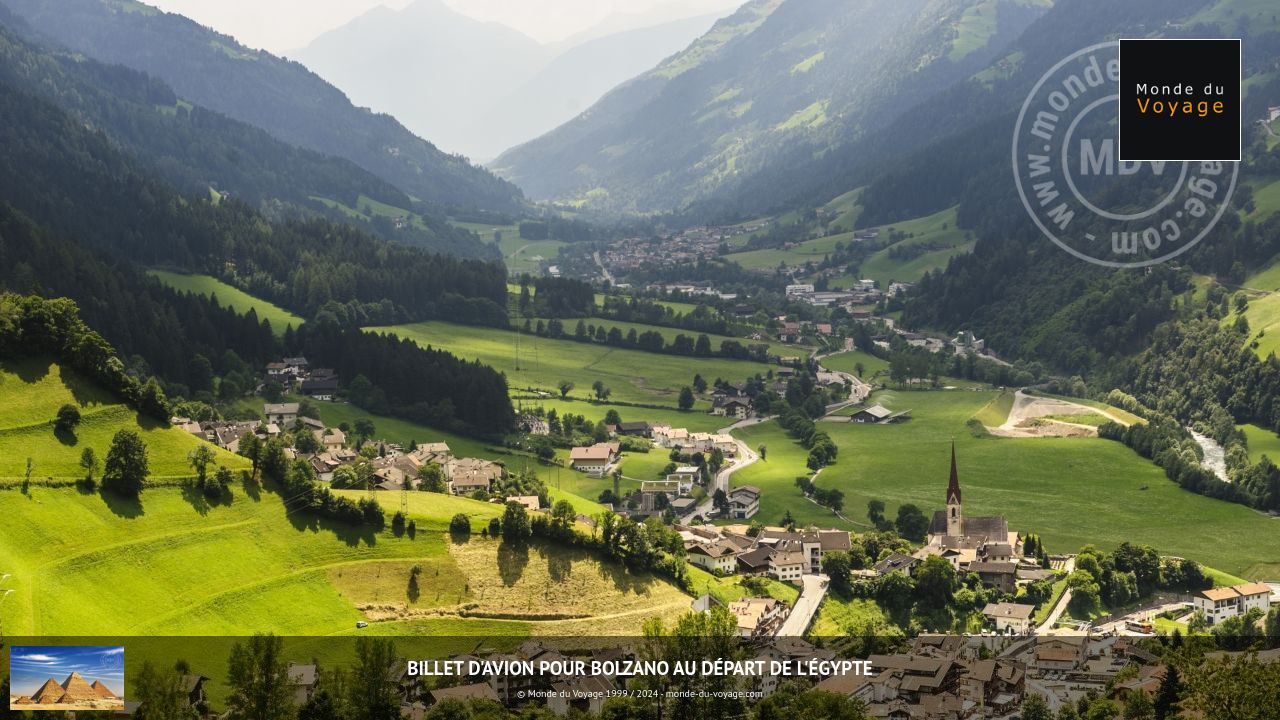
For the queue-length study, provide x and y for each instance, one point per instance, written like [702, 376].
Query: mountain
[574, 80]
[405, 62]
[282, 97]
[776, 83]
[202, 152]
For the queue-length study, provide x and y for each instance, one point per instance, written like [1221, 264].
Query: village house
[330, 438]
[731, 407]
[788, 563]
[283, 414]
[896, 562]
[744, 502]
[758, 616]
[303, 679]
[686, 476]
[472, 474]
[998, 684]
[669, 437]
[582, 694]
[1218, 604]
[635, 429]
[1009, 618]
[325, 388]
[594, 460]
[966, 541]
[812, 544]
[717, 557]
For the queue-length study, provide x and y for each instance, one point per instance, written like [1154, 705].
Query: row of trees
[648, 341]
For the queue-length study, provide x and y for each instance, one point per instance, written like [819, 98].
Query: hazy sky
[284, 25]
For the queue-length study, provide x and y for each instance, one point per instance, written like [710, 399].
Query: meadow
[937, 231]
[670, 333]
[1071, 491]
[176, 565]
[520, 255]
[633, 376]
[231, 296]
[873, 368]
[1262, 443]
[32, 390]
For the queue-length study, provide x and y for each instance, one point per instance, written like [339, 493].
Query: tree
[200, 458]
[89, 463]
[431, 479]
[371, 693]
[126, 467]
[859, 369]
[875, 512]
[601, 390]
[1169, 695]
[894, 591]
[460, 525]
[68, 418]
[162, 694]
[365, 429]
[565, 387]
[935, 582]
[258, 676]
[1138, 707]
[322, 705]
[515, 523]
[911, 523]
[1035, 707]
[764, 452]
[794, 701]
[837, 565]
[251, 447]
[686, 398]
[699, 383]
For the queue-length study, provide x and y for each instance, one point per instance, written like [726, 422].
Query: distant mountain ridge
[482, 87]
[778, 83]
[275, 94]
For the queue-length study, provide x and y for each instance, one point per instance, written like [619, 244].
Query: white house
[1218, 604]
[744, 502]
[1010, 617]
[282, 414]
[721, 556]
[594, 460]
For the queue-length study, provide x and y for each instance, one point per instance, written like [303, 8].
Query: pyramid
[102, 690]
[50, 693]
[77, 690]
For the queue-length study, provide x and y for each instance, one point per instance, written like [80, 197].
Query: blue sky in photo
[30, 666]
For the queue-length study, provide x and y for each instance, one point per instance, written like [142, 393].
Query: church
[968, 540]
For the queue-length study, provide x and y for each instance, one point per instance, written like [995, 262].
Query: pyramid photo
[78, 690]
[50, 693]
[102, 690]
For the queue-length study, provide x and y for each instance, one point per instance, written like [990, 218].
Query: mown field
[520, 255]
[1262, 443]
[228, 295]
[873, 368]
[633, 376]
[1071, 491]
[670, 333]
[173, 565]
[32, 390]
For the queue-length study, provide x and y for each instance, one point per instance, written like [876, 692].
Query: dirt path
[1026, 418]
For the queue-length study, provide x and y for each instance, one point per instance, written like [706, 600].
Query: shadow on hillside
[146, 422]
[201, 501]
[65, 436]
[250, 487]
[29, 370]
[623, 580]
[121, 505]
[513, 558]
[304, 520]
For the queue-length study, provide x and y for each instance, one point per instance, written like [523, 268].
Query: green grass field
[873, 367]
[633, 376]
[1072, 492]
[228, 295]
[177, 566]
[520, 255]
[1262, 442]
[938, 230]
[31, 391]
[996, 412]
[670, 333]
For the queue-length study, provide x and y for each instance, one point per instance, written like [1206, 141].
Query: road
[603, 270]
[859, 389]
[813, 588]
[746, 456]
[1063, 601]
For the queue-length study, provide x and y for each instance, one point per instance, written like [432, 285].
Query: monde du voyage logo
[1129, 171]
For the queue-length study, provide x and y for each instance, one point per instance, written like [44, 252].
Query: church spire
[953, 488]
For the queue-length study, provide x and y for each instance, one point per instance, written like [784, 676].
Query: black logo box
[1188, 64]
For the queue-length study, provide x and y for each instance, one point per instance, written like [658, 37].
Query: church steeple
[955, 519]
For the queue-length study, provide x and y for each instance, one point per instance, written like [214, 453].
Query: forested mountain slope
[775, 85]
[279, 96]
[201, 152]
